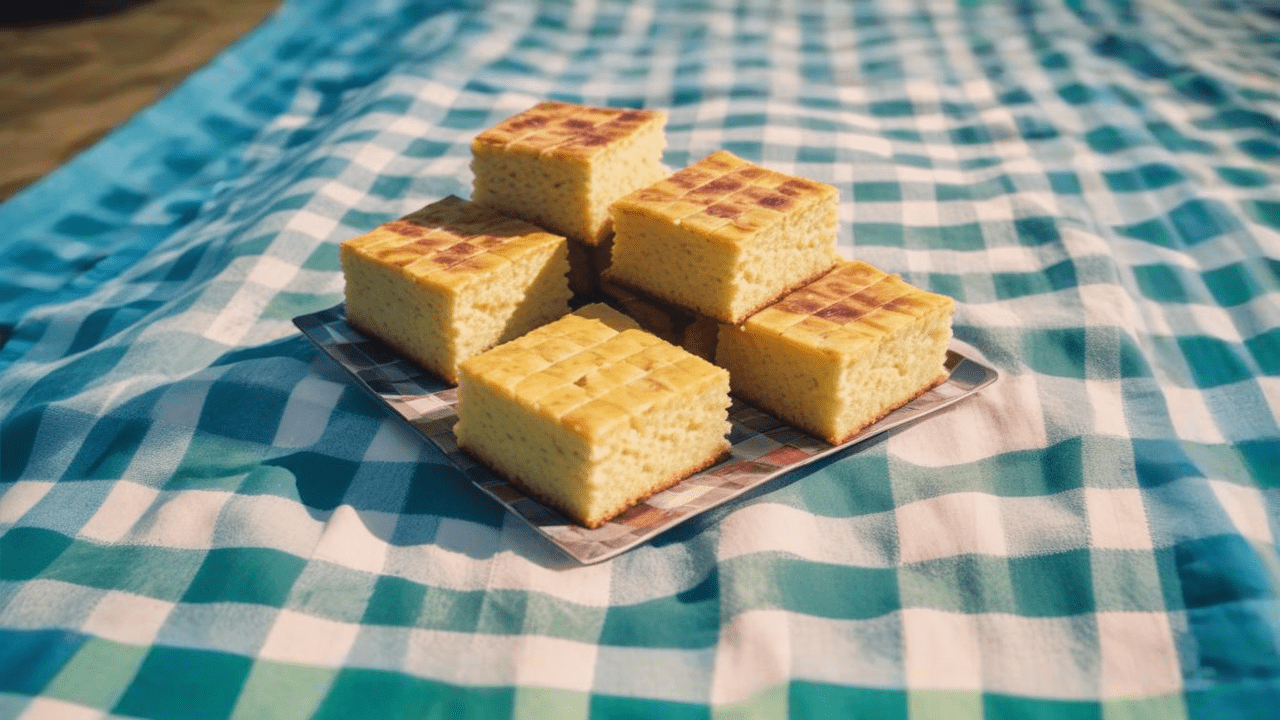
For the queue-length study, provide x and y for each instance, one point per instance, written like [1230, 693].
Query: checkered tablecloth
[203, 518]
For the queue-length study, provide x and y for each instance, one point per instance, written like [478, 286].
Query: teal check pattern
[203, 518]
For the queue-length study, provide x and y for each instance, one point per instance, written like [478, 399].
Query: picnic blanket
[204, 517]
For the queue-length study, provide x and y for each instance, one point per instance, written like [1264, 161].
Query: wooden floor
[64, 84]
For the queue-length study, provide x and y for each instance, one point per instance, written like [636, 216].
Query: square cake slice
[840, 353]
[560, 165]
[724, 237]
[453, 279]
[591, 415]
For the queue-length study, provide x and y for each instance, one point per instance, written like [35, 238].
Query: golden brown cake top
[592, 370]
[848, 307]
[723, 195]
[565, 130]
[451, 241]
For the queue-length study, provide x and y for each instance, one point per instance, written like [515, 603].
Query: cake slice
[724, 237]
[560, 165]
[591, 414]
[453, 279]
[840, 353]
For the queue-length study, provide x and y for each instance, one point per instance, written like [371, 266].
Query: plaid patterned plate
[763, 447]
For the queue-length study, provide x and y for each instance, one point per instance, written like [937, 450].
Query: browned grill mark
[487, 242]
[455, 263]
[724, 184]
[779, 203]
[427, 244]
[723, 210]
[863, 302]
[406, 228]
[563, 128]
[867, 300]
[651, 195]
[457, 250]
[800, 304]
[842, 312]
[796, 186]
[719, 187]
[684, 180]
[450, 234]
[530, 122]
[907, 304]
[591, 140]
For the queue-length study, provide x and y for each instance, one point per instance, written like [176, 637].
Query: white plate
[763, 446]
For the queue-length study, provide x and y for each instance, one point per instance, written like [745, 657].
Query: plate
[763, 447]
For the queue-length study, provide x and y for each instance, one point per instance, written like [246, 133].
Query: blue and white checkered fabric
[203, 517]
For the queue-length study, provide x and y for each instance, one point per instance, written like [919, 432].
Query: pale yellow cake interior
[724, 237]
[591, 414]
[453, 279]
[841, 353]
[560, 165]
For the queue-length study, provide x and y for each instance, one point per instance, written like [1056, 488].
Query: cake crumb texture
[561, 165]
[724, 237]
[840, 353]
[453, 279]
[592, 414]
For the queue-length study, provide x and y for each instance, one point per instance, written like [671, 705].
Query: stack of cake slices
[719, 278]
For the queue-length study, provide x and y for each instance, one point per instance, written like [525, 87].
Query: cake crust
[842, 352]
[451, 279]
[450, 243]
[573, 132]
[616, 288]
[724, 237]
[724, 198]
[612, 512]
[591, 414]
[560, 165]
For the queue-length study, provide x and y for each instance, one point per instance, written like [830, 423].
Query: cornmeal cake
[453, 279]
[693, 332]
[840, 353]
[591, 414]
[724, 237]
[560, 165]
